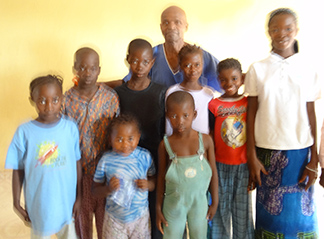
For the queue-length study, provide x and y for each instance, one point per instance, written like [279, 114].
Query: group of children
[223, 145]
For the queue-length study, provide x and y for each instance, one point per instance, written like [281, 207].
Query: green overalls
[186, 184]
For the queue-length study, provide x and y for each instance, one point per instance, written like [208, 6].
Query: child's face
[282, 30]
[181, 116]
[192, 66]
[48, 100]
[125, 138]
[87, 68]
[140, 62]
[230, 80]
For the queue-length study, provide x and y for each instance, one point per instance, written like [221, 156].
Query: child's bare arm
[213, 186]
[311, 169]
[146, 184]
[255, 166]
[17, 182]
[211, 133]
[101, 190]
[77, 204]
[211, 118]
[160, 188]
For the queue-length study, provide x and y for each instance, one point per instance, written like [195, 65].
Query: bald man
[166, 69]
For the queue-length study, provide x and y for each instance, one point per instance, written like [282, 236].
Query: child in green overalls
[186, 170]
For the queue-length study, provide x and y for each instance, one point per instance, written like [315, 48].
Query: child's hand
[114, 184]
[77, 208]
[211, 212]
[142, 184]
[159, 220]
[22, 214]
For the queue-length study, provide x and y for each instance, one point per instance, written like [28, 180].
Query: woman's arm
[160, 188]
[254, 164]
[321, 156]
[213, 186]
[114, 83]
[311, 169]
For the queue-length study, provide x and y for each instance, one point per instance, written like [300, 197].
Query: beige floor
[10, 224]
[12, 227]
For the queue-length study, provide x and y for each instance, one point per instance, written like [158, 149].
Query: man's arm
[114, 83]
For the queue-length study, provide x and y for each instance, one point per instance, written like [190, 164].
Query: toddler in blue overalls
[186, 170]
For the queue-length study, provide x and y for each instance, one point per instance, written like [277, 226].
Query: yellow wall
[40, 37]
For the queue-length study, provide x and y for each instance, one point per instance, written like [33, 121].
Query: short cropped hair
[139, 44]
[84, 50]
[179, 97]
[123, 119]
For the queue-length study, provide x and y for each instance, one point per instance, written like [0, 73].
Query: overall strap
[168, 147]
[201, 149]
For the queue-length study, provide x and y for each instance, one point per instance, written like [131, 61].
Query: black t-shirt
[148, 107]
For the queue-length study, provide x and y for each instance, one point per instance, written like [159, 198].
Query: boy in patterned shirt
[92, 105]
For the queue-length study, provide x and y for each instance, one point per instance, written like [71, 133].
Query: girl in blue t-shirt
[44, 156]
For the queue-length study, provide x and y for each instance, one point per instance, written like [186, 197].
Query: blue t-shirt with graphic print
[48, 154]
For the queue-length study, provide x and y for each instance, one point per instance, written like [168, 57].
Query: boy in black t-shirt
[144, 99]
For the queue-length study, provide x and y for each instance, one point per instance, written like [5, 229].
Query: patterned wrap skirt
[284, 210]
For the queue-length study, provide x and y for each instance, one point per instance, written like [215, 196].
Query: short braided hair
[43, 80]
[189, 49]
[229, 63]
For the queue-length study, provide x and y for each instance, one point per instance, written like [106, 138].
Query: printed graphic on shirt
[233, 131]
[49, 155]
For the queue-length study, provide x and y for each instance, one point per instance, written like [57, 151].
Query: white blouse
[283, 87]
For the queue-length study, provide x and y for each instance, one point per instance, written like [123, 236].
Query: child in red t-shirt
[228, 114]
